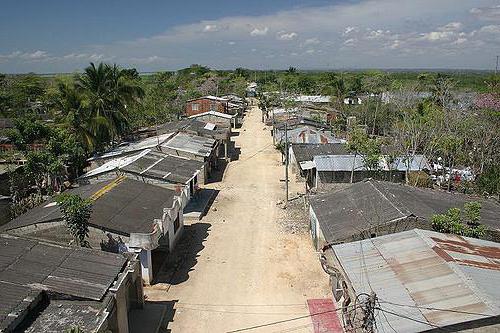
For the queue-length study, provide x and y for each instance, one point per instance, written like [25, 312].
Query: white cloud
[350, 42]
[487, 13]
[435, 36]
[452, 26]
[349, 29]
[148, 60]
[312, 41]
[386, 33]
[490, 29]
[259, 32]
[210, 28]
[283, 35]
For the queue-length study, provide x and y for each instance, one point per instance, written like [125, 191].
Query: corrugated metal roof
[415, 163]
[114, 164]
[174, 169]
[191, 143]
[130, 147]
[343, 163]
[213, 113]
[425, 269]
[312, 99]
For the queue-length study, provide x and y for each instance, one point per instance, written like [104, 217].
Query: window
[195, 106]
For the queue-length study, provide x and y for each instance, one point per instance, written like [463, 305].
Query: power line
[412, 319]
[437, 309]
[285, 321]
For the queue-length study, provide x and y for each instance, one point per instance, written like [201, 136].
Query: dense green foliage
[76, 212]
[463, 223]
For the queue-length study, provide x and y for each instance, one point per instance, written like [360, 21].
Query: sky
[55, 36]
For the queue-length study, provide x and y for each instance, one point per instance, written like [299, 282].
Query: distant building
[352, 100]
[313, 99]
[424, 281]
[206, 104]
[50, 288]
[374, 208]
[251, 90]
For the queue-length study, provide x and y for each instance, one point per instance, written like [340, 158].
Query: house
[130, 148]
[127, 215]
[51, 288]
[251, 90]
[372, 208]
[302, 155]
[237, 105]
[313, 99]
[352, 100]
[330, 169]
[206, 104]
[195, 148]
[423, 281]
[217, 118]
[152, 167]
[221, 133]
[305, 134]
[303, 130]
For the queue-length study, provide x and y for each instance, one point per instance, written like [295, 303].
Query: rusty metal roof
[434, 278]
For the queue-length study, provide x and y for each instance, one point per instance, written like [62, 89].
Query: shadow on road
[184, 257]
[218, 173]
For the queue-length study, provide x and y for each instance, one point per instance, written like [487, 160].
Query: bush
[464, 223]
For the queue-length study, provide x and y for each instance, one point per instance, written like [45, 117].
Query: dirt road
[239, 269]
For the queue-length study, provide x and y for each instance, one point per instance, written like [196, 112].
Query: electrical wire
[386, 319]
[283, 321]
[413, 319]
[437, 309]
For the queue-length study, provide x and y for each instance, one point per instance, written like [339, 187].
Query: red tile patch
[324, 316]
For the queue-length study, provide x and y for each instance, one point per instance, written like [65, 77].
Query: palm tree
[108, 91]
[75, 115]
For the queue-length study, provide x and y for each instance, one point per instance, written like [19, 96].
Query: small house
[372, 208]
[51, 288]
[206, 104]
[127, 216]
[419, 281]
[194, 147]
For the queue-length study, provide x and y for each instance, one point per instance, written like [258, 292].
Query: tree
[360, 144]
[376, 83]
[442, 90]
[75, 115]
[463, 223]
[76, 212]
[108, 92]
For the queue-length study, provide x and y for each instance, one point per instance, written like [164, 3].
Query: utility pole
[496, 68]
[286, 160]
[369, 313]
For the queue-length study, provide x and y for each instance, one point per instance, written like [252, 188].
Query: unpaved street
[239, 268]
